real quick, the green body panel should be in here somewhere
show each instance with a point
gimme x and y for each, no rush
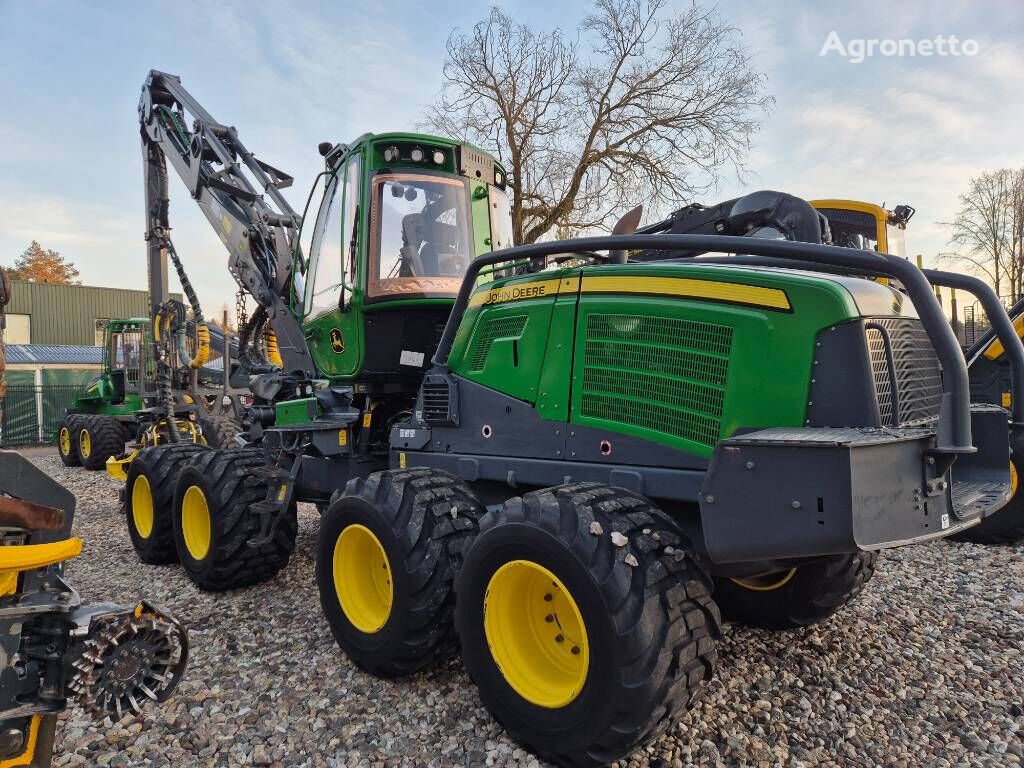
(349, 320)
(505, 345)
(481, 217)
(333, 359)
(299, 411)
(670, 353)
(555, 382)
(96, 399)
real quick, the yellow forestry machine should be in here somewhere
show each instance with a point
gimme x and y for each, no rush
(54, 647)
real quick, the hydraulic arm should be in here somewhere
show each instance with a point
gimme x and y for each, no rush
(240, 197)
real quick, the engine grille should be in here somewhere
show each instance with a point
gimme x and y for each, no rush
(489, 331)
(659, 373)
(916, 393)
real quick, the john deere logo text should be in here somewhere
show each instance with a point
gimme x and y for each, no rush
(515, 293)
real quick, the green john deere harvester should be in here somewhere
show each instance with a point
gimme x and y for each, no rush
(128, 400)
(569, 457)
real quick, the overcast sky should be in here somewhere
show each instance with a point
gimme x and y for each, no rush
(289, 75)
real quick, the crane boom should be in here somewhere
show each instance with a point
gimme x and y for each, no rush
(240, 196)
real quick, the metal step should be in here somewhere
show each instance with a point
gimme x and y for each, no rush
(978, 498)
(847, 437)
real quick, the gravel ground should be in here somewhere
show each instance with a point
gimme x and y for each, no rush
(925, 668)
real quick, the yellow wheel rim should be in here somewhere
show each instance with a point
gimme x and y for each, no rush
(768, 582)
(1013, 480)
(195, 522)
(536, 634)
(64, 438)
(85, 442)
(142, 507)
(362, 579)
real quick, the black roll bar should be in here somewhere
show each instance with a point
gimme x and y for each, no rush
(1002, 326)
(986, 338)
(953, 432)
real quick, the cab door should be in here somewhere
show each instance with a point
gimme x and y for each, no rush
(334, 329)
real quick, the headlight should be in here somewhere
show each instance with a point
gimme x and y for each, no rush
(499, 178)
(438, 157)
(417, 155)
(391, 155)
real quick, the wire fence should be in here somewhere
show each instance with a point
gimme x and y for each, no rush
(32, 413)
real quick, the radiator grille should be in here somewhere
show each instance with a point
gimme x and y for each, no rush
(916, 394)
(437, 405)
(662, 374)
(489, 331)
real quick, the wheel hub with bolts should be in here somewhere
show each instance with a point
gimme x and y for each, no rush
(536, 634)
(362, 578)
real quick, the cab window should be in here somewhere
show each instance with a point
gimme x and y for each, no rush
(331, 240)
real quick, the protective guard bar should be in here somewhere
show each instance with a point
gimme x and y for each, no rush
(953, 432)
(1001, 325)
(985, 339)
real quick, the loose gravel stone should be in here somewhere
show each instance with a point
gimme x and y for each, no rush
(924, 669)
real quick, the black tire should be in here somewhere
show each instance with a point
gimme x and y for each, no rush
(1007, 525)
(220, 430)
(67, 441)
(158, 467)
(797, 597)
(128, 431)
(229, 485)
(99, 438)
(646, 608)
(422, 520)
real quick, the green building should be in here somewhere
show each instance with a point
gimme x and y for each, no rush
(54, 342)
(50, 313)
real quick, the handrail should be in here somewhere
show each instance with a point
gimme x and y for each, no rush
(953, 432)
(1002, 326)
(1016, 309)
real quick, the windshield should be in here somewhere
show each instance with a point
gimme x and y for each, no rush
(422, 236)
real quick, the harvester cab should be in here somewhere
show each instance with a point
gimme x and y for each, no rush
(401, 218)
(866, 226)
(118, 389)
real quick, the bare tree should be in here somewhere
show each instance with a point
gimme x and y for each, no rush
(646, 105)
(1015, 227)
(985, 229)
